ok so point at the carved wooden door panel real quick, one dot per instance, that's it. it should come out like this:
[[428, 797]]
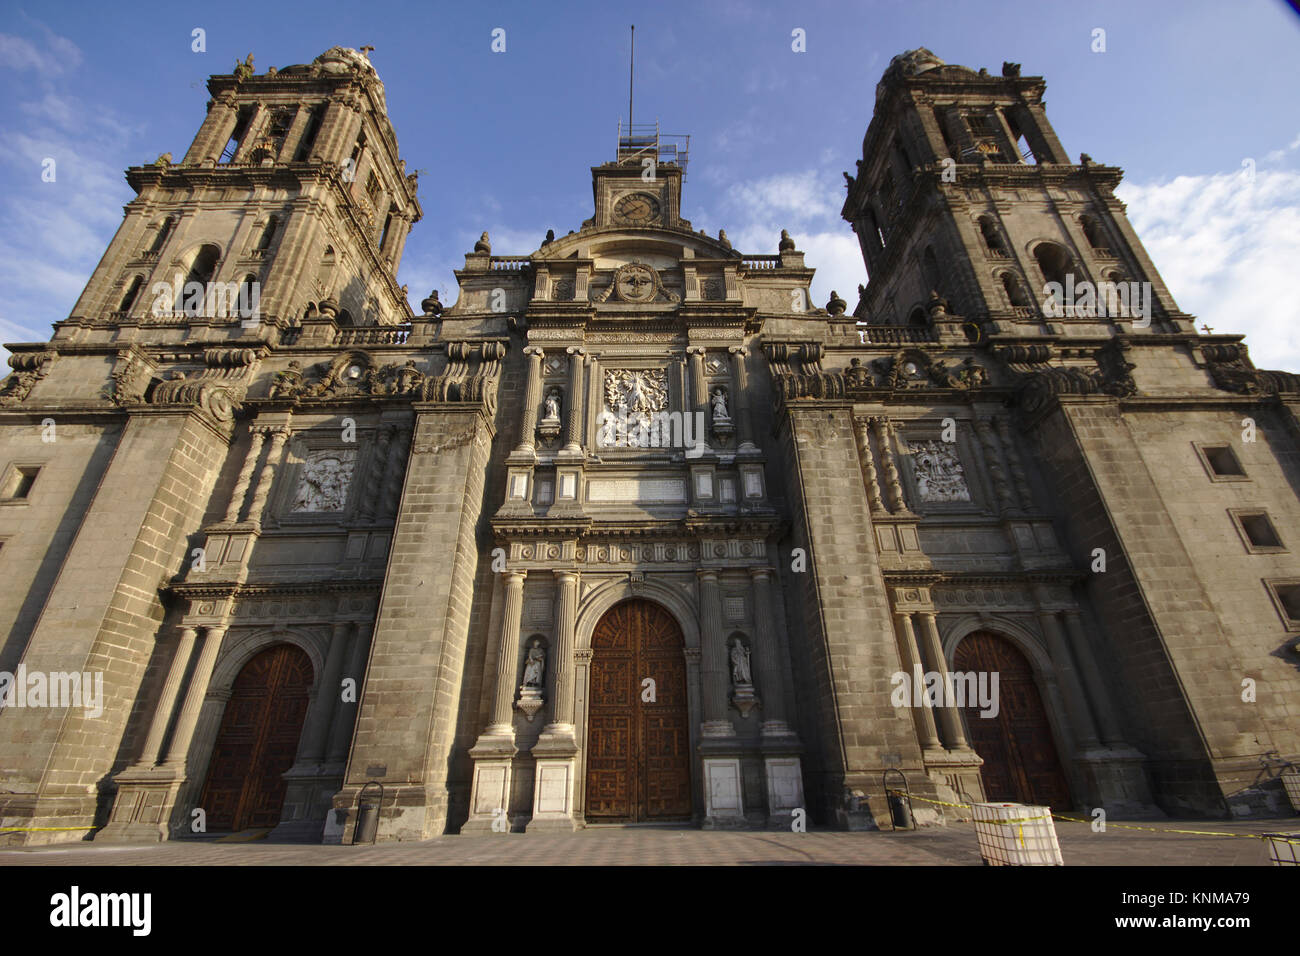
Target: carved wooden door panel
[[258, 740], [638, 751], [1020, 759]]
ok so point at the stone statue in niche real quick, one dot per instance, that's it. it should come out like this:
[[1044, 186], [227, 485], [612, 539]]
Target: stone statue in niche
[[324, 480], [719, 402], [939, 474], [552, 406], [740, 663], [535, 667], [530, 691]]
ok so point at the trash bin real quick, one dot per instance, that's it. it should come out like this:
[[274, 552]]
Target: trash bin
[[899, 814]]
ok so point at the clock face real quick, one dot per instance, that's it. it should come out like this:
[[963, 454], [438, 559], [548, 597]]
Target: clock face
[[637, 208]]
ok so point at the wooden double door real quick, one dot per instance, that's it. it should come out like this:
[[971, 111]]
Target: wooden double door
[[1020, 758], [258, 740], [638, 735]]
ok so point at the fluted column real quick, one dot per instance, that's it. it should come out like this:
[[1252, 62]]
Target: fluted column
[[868, 461], [948, 716], [573, 430], [245, 476], [278, 437], [911, 656], [713, 668], [766, 658], [593, 399], [508, 656], [740, 399], [378, 462], [566, 616], [1093, 681], [194, 694], [699, 387], [1013, 459], [395, 470], [345, 712], [328, 693], [884, 433], [162, 715], [1085, 731], [532, 399], [994, 463]]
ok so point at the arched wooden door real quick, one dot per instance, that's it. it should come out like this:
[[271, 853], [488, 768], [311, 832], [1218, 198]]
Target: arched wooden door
[[1020, 760], [258, 740], [638, 751]]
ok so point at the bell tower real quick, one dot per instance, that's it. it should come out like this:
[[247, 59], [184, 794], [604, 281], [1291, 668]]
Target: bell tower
[[964, 189], [291, 201]]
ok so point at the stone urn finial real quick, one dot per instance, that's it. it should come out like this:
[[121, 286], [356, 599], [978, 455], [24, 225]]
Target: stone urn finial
[[786, 244], [431, 305], [483, 245], [836, 305]]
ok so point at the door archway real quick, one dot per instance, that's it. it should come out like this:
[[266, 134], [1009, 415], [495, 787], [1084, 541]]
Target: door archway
[[638, 743], [1020, 756], [258, 740]]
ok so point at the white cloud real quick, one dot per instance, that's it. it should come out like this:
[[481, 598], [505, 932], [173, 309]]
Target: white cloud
[[61, 54], [1227, 250]]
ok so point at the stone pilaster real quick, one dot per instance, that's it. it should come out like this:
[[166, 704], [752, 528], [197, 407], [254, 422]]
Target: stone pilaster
[[240, 491], [915, 670], [162, 716], [740, 396], [573, 428], [532, 399], [1085, 731], [321, 718], [953, 734]]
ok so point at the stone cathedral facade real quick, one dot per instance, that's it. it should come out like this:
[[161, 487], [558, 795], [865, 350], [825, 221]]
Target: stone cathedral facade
[[633, 531]]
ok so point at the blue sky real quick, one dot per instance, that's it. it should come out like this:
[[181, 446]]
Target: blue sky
[[1184, 93]]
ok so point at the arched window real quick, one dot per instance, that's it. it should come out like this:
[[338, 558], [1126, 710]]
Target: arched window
[[992, 241], [132, 292], [193, 295], [268, 234], [918, 318], [250, 294], [164, 231], [1054, 262], [930, 270], [1092, 230], [1015, 291]]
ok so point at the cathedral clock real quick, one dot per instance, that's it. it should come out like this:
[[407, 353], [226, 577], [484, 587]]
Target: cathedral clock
[[637, 208]]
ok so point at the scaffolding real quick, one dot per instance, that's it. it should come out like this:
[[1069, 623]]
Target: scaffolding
[[642, 141]]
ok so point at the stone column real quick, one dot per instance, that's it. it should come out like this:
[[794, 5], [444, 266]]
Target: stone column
[[994, 462], [245, 476], [375, 482], [948, 716], [532, 399], [344, 711], [278, 437], [766, 658], [194, 694], [508, 656], [911, 656], [162, 715], [868, 460], [740, 399], [884, 433], [394, 471], [714, 660], [1013, 459], [1093, 681], [593, 399], [328, 693], [699, 387], [1085, 731], [573, 430], [566, 616]]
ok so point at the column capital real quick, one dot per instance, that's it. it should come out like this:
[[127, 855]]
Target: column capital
[[515, 574], [761, 572], [695, 350], [565, 574], [707, 574], [534, 350], [575, 350], [741, 350]]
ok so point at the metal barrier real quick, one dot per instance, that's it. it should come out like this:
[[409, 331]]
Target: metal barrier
[[900, 812], [367, 828]]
